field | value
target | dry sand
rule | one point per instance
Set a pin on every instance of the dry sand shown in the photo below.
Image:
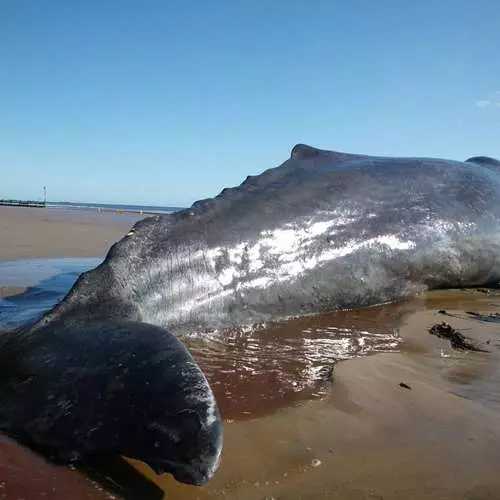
(368, 438)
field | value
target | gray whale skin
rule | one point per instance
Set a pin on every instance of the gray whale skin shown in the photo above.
(322, 231)
(104, 372)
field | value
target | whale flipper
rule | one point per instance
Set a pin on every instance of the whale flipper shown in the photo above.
(78, 389)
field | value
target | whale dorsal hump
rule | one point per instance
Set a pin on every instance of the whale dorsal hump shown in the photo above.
(485, 161)
(305, 152)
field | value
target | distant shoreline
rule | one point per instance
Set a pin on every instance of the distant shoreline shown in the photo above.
(110, 207)
(116, 208)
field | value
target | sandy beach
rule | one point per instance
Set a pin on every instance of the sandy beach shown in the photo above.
(45, 232)
(364, 436)
(371, 438)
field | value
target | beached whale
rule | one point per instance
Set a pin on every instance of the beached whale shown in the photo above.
(322, 231)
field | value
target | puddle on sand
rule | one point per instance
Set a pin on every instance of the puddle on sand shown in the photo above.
(32, 286)
(256, 373)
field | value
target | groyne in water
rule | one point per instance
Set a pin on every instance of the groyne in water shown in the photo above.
(23, 203)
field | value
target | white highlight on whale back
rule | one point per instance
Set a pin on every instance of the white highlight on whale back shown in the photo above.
(284, 253)
(272, 256)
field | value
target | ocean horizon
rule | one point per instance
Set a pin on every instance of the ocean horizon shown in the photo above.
(151, 209)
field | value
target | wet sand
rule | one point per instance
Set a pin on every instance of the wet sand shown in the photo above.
(24, 475)
(50, 232)
(368, 437)
(47, 232)
(291, 433)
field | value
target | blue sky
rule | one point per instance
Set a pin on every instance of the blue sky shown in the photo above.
(160, 102)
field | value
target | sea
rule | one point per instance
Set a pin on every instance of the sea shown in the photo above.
(147, 209)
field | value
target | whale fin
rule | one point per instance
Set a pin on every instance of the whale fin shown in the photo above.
(76, 389)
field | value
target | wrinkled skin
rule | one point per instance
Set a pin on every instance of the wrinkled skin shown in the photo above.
(324, 230)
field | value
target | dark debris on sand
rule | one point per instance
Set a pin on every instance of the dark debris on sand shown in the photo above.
(458, 340)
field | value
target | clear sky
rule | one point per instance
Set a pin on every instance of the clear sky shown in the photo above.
(162, 102)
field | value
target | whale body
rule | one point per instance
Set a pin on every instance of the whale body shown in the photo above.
(323, 231)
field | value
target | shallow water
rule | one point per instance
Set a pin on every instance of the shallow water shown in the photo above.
(256, 373)
(300, 424)
(45, 282)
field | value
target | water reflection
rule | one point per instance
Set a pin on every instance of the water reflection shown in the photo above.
(258, 372)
